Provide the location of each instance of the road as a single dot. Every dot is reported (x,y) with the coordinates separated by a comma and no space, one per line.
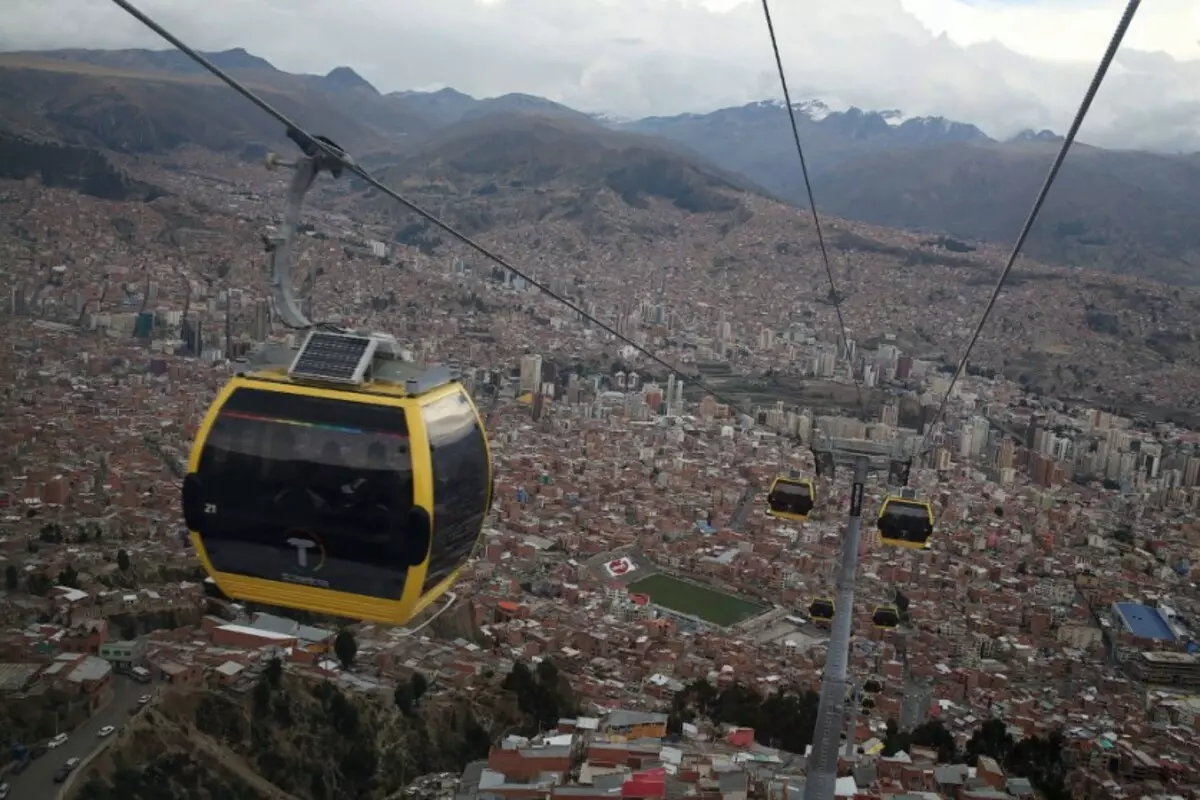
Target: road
(37,781)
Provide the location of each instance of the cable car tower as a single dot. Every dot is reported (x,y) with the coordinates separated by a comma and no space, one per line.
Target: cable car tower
(835,682)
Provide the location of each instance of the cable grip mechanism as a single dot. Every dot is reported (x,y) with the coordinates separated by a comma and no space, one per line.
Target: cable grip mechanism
(320,154)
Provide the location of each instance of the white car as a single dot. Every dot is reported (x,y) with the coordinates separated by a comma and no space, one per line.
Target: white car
(144,699)
(3,790)
(105,731)
(57,741)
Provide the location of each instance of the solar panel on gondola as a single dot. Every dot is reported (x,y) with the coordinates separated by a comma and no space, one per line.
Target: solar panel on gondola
(334,358)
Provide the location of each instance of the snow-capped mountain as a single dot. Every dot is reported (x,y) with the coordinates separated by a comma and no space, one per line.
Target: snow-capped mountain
(752,139)
(1030,135)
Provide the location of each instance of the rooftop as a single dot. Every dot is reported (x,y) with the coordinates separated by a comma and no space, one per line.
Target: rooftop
(1145,622)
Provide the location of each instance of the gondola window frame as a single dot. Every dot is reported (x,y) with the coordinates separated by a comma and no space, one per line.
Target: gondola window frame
(461,492)
(373,422)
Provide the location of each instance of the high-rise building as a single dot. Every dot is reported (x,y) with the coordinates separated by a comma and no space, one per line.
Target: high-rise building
(890,415)
(531,373)
(262,321)
(915,704)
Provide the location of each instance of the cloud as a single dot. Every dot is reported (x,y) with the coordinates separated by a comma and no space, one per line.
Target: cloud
(1003,65)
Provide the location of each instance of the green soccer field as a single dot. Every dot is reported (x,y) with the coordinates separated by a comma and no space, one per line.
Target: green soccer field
(690,598)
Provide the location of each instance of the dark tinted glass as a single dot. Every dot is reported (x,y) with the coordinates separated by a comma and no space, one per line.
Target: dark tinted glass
(907,521)
(461,486)
(791,498)
(908,512)
(308,490)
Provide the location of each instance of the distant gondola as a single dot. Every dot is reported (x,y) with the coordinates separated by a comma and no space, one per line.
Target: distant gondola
(821,609)
(873,686)
(905,522)
(791,498)
(886,618)
(867,704)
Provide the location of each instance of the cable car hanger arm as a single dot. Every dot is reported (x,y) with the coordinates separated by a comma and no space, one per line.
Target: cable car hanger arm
(282,244)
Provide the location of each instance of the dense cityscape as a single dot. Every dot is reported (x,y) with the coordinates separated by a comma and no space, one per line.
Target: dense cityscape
(628,549)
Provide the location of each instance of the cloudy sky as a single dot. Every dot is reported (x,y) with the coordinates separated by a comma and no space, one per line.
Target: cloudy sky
(1002,64)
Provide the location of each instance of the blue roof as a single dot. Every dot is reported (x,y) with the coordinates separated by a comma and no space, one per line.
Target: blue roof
(1145,622)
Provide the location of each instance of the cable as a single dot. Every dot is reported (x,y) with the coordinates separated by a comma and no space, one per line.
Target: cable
(1097,79)
(335,153)
(812,203)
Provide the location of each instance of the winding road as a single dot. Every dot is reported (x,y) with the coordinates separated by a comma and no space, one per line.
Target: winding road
(37,781)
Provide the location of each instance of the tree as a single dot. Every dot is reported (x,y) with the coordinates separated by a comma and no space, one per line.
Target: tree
(419,685)
(547,673)
(893,741)
(123,561)
(68,577)
(404,698)
(933,734)
(783,719)
(1040,760)
(990,739)
(37,583)
(543,704)
(346,648)
(11,577)
(273,673)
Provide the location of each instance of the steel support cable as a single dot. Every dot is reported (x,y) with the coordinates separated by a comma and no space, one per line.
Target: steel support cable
(351,165)
(1093,88)
(812,203)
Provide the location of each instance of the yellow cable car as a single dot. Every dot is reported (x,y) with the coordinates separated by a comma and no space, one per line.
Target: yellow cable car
(791,498)
(342,480)
(905,522)
(821,609)
(886,618)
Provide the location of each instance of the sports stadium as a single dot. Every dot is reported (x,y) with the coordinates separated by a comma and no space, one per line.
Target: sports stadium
(687,599)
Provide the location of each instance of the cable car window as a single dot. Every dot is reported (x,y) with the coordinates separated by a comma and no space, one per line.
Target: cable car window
(907,514)
(308,490)
(461,485)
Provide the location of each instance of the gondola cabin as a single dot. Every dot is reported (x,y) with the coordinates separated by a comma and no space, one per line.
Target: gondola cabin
(821,610)
(873,686)
(905,522)
(791,498)
(886,618)
(867,704)
(338,479)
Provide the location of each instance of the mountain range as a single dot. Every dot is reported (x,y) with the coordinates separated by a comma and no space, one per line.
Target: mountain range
(1114,210)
